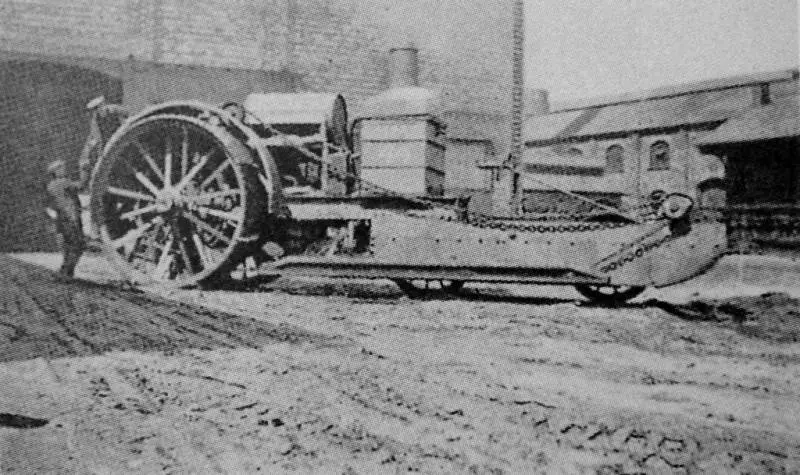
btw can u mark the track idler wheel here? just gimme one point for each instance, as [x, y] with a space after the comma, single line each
[608, 294]
[418, 287]
[177, 200]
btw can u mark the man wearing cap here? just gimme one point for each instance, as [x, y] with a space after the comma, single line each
[106, 119]
[63, 194]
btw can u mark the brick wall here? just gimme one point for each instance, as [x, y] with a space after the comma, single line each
[333, 45]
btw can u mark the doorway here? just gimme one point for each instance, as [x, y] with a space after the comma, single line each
[43, 118]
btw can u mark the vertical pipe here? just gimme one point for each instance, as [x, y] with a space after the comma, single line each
[517, 86]
[292, 11]
[158, 31]
[636, 170]
[403, 66]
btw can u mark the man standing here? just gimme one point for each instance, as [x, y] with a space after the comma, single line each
[63, 194]
[106, 119]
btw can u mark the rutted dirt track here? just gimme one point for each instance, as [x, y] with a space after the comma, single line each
[340, 377]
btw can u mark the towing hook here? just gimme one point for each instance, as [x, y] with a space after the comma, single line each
[676, 206]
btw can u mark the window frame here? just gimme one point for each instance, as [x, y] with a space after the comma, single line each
[651, 164]
[607, 168]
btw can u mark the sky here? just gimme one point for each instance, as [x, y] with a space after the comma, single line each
[585, 48]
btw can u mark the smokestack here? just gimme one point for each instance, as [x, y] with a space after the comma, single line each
[538, 102]
[403, 67]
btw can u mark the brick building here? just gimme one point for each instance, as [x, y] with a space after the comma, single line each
[731, 142]
[313, 45]
[55, 56]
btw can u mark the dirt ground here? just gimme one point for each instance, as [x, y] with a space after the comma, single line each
[353, 377]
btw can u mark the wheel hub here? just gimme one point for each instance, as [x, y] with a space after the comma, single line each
[164, 204]
[170, 200]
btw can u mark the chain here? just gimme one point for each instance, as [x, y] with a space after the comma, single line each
[636, 249]
[640, 251]
[568, 223]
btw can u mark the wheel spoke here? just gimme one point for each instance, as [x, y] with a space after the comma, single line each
[226, 215]
[142, 178]
[149, 159]
[187, 262]
[185, 151]
[201, 251]
[205, 227]
[138, 212]
[168, 162]
[147, 183]
[195, 169]
[134, 195]
[179, 237]
[211, 195]
[225, 164]
[165, 259]
[132, 236]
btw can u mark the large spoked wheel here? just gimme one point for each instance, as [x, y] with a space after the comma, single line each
[609, 294]
[177, 200]
[418, 287]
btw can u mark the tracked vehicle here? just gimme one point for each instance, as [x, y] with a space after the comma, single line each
[187, 193]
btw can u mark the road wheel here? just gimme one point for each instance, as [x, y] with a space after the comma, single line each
[177, 200]
[416, 287]
[609, 294]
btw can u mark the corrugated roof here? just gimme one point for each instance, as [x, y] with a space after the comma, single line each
[681, 89]
[777, 120]
[690, 109]
[695, 104]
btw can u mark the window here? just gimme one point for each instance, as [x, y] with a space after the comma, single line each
[615, 159]
[659, 156]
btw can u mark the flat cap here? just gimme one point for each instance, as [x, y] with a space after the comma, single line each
[55, 166]
[96, 102]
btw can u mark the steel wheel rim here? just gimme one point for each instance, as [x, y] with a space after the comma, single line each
[170, 200]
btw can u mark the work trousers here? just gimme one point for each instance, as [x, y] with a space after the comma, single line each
[73, 246]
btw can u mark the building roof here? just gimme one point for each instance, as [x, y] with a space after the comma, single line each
[708, 103]
[643, 115]
[681, 89]
[780, 119]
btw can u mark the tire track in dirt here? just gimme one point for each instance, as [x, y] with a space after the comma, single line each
[618, 442]
[608, 440]
[54, 319]
[367, 392]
